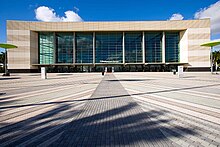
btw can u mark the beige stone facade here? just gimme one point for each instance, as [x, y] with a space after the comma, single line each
[24, 34]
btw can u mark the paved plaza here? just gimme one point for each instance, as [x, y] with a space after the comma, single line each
[120, 109]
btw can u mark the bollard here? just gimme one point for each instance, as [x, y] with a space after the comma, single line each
[180, 71]
[174, 71]
[103, 73]
[113, 69]
[43, 73]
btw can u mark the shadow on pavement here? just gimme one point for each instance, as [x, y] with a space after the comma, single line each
[103, 129]
[109, 128]
[9, 78]
[130, 80]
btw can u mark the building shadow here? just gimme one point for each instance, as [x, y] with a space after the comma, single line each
[130, 80]
[67, 74]
[186, 77]
[10, 78]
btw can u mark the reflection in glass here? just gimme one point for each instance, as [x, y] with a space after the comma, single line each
[84, 47]
[46, 45]
[108, 47]
[64, 46]
[172, 46]
[133, 47]
[153, 47]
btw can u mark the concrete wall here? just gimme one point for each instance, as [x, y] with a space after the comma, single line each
[198, 56]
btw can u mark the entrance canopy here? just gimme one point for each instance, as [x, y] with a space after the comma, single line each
[211, 43]
[7, 46]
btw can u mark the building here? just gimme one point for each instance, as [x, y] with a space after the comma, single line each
[124, 46]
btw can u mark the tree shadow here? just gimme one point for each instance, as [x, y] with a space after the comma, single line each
[6, 102]
[112, 128]
[153, 92]
[116, 126]
[2, 93]
[111, 97]
[51, 120]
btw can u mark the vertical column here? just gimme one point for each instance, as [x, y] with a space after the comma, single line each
[39, 47]
[143, 47]
[123, 47]
[54, 48]
[74, 47]
[93, 47]
[163, 48]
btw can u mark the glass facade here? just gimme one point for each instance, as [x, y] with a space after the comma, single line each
[133, 47]
[108, 47]
[84, 47]
[153, 47]
[172, 46]
[64, 47]
[46, 48]
[58, 47]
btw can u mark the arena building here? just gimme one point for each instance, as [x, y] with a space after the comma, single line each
[122, 46]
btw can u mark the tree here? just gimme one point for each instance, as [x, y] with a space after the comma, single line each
[2, 61]
[2, 57]
[216, 57]
[6, 46]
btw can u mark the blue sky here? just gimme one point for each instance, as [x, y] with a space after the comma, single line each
[109, 10]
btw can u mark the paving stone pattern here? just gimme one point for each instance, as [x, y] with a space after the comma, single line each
[188, 107]
[112, 118]
[120, 109]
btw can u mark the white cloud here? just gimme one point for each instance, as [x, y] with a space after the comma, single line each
[212, 12]
[71, 16]
[176, 16]
[47, 14]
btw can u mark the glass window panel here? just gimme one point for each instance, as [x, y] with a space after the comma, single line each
[46, 45]
[84, 47]
[153, 47]
[172, 46]
[64, 46]
[133, 47]
[109, 47]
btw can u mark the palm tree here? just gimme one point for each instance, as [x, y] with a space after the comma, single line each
[6, 46]
[211, 44]
[216, 56]
[2, 61]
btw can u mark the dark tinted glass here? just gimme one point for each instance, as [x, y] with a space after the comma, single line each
[153, 47]
[133, 47]
[108, 47]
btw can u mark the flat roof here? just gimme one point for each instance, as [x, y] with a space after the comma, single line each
[108, 25]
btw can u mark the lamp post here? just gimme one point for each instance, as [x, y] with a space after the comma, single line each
[211, 59]
[6, 46]
[211, 44]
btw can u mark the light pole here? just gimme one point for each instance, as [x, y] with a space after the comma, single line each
[5, 61]
[211, 44]
[6, 46]
[211, 60]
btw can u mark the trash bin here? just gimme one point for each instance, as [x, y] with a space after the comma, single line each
[103, 73]
[7, 73]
